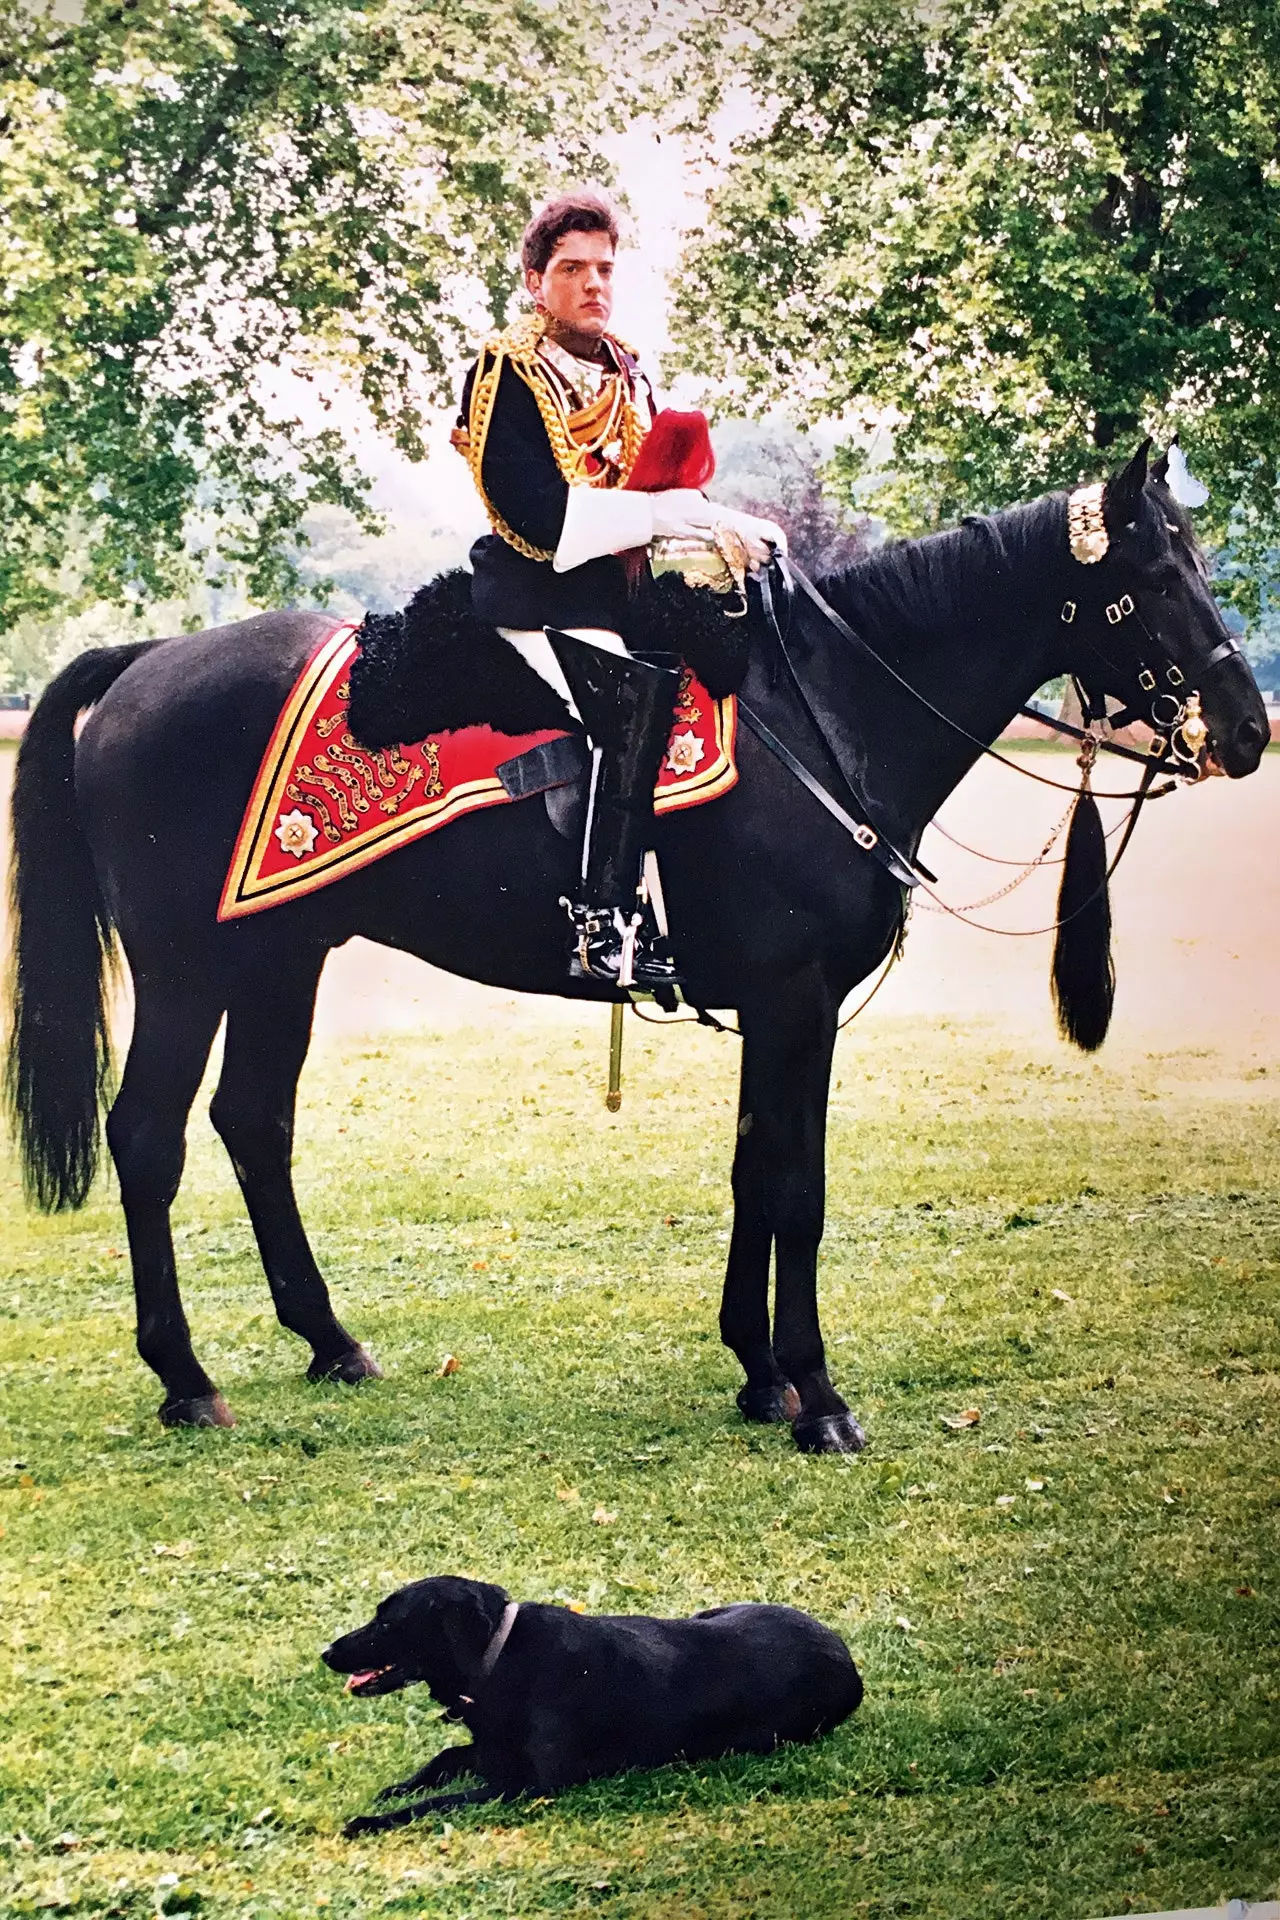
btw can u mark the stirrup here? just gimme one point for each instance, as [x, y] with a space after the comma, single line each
[617, 951]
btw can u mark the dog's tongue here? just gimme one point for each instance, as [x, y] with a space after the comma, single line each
[356, 1680]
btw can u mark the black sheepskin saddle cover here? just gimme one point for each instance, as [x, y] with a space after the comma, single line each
[434, 668]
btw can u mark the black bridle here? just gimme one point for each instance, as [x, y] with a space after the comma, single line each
[1166, 712]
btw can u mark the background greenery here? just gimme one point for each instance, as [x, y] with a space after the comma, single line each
[1018, 233]
[1066, 1615]
[198, 195]
[983, 243]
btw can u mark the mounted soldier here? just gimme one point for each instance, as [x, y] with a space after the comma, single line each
[553, 417]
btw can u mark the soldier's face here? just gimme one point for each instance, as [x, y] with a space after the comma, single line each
[576, 287]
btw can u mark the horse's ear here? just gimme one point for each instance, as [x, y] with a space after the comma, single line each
[1160, 466]
[1123, 497]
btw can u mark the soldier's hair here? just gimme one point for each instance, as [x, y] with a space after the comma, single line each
[584, 210]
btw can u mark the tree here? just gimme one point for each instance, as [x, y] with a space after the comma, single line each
[196, 192]
[1017, 231]
[772, 470]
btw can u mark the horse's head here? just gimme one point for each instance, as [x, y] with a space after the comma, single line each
[1142, 625]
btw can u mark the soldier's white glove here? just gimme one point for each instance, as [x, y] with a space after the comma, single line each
[759, 535]
[601, 520]
[682, 511]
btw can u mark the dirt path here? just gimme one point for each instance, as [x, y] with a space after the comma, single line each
[1197, 912]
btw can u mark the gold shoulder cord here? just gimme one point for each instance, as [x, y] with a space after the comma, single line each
[617, 421]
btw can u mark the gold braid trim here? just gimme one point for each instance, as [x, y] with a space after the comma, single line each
[574, 437]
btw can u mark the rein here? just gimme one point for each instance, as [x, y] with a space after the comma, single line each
[1139, 799]
[1180, 732]
[856, 639]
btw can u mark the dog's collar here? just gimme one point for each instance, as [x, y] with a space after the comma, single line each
[489, 1658]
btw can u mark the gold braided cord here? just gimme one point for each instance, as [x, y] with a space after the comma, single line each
[574, 436]
[483, 395]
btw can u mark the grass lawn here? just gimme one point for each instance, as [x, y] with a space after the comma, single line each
[1065, 1615]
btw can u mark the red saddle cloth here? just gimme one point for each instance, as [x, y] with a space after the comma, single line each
[322, 805]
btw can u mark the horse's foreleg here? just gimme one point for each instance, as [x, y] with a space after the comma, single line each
[268, 1032]
[146, 1131]
[780, 1169]
[744, 1308]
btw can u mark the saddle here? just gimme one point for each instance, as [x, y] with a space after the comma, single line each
[399, 726]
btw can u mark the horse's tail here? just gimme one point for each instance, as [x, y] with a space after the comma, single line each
[58, 1070]
[1084, 975]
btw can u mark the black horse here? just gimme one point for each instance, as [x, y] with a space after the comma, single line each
[127, 831]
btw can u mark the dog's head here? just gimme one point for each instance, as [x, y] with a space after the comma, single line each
[433, 1631]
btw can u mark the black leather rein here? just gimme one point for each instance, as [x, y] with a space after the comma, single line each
[871, 839]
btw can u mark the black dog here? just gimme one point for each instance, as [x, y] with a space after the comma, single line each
[552, 1697]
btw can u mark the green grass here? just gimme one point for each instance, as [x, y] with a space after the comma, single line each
[1071, 1693]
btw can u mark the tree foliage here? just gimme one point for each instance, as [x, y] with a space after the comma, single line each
[770, 469]
[196, 192]
[1018, 231]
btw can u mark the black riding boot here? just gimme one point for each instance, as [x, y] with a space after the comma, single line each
[627, 707]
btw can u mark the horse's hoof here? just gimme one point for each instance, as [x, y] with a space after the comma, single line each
[205, 1410]
[769, 1404]
[349, 1368]
[829, 1433]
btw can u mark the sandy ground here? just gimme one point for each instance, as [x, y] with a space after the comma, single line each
[1196, 903]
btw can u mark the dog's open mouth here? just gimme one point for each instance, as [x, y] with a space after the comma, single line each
[376, 1680]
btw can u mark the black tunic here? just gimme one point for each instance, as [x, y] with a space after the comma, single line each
[526, 486]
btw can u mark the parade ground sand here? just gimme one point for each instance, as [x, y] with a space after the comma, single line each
[1065, 1612]
[1196, 904]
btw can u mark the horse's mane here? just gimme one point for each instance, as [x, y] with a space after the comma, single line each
[947, 582]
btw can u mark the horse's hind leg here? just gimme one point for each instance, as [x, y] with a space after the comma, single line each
[146, 1130]
[268, 1031]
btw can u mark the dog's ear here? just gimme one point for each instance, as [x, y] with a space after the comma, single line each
[467, 1629]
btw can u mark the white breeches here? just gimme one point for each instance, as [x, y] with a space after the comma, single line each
[533, 645]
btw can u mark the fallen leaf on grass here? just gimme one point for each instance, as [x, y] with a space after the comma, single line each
[969, 1417]
[569, 1494]
[448, 1365]
[670, 1220]
[1245, 1593]
[1056, 1293]
[479, 1266]
[902, 1621]
[603, 1517]
[178, 1551]
[1005, 1499]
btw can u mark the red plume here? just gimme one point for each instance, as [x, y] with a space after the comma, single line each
[677, 452]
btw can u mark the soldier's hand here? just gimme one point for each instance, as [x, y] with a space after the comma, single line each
[680, 511]
[761, 537]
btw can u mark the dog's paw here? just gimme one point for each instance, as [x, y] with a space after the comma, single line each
[363, 1823]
